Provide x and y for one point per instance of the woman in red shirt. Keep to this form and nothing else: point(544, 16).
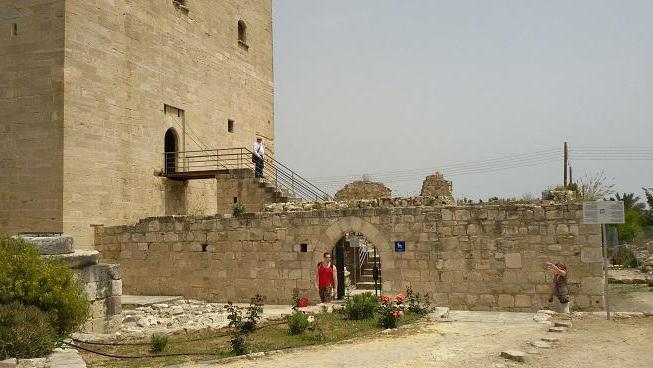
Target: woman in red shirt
point(326, 278)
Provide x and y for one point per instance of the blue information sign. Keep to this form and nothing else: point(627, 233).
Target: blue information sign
point(400, 246)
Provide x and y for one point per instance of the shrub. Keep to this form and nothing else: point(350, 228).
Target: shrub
point(390, 310)
point(253, 314)
point(418, 304)
point(238, 210)
point(48, 284)
point(238, 344)
point(25, 332)
point(361, 306)
point(245, 323)
point(297, 322)
point(159, 343)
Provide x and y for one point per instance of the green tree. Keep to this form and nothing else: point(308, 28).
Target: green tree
point(631, 201)
point(632, 229)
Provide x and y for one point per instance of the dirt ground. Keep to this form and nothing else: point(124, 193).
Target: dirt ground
point(475, 339)
point(630, 298)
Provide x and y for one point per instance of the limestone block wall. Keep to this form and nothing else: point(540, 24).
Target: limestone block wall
point(125, 60)
point(244, 188)
point(31, 115)
point(82, 126)
point(478, 257)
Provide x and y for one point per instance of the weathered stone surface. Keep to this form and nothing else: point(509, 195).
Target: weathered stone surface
point(79, 258)
point(516, 355)
point(513, 260)
point(540, 344)
point(48, 244)
point(33, 363)
point(108, 177)
point(437, 186)
point(557, 329)
point(8, 363)
point(550, 339)
point(362, 189)
point(458, 254)
point(565, 324)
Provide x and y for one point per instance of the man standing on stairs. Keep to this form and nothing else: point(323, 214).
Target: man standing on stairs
point(258, 151)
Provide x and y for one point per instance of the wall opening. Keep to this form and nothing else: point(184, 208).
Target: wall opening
point(358, 263)
point(14, 29)
point(230, 126)
point(303, 247)
point(171, 144)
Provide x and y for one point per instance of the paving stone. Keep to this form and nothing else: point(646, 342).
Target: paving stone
point(516, 355)
point(8, 363)
point(562, 324)
point(540, 344)
point(558, 329)
point(32, 363)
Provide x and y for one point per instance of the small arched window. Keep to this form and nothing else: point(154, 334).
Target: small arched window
point(242, 32)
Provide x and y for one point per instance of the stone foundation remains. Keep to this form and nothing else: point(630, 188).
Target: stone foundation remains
point(103, 283)
point(363, 189)
point(476, 257)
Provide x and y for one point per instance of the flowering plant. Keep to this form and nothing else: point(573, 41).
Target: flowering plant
point(390, 310)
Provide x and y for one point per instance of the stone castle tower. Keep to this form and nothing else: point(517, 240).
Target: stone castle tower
point(90, 89)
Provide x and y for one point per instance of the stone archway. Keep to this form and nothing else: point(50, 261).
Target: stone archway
point(338, 229)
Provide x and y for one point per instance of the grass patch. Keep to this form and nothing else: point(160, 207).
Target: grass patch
point(622, 289)
point(272, 336)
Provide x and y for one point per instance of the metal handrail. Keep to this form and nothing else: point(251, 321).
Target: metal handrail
point(274, 172)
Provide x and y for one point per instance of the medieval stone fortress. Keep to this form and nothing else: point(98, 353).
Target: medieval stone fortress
point(127, 125)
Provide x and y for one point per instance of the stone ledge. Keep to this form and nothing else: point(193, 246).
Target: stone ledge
point(78, 259)
point(49, 244)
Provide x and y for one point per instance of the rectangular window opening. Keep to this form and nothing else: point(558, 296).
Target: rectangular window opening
point(14, 29)
point(230, 126)
point(235, 199)
point(303, 247)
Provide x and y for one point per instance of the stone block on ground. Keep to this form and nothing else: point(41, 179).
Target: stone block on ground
point(8, 363)
point(565, 324)
point(540, 344)
point(48, 244)
point(516, 355)
point(32, 363)
point(558, 329)
point(550, 339)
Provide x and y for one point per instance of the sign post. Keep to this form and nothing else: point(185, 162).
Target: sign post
point(604, 212)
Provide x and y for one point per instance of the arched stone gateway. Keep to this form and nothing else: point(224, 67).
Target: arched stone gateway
point(337, 230)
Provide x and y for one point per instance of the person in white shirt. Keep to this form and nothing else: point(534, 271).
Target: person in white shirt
point(258, 154)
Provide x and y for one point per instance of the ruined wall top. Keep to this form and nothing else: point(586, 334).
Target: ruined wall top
point(363, 189)
point(437, 186)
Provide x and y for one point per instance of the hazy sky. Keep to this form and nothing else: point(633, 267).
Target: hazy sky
point(375, 87)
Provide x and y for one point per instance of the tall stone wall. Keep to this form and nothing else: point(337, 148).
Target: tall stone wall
point(31, 115)
point(479, 257)
point(82, 127)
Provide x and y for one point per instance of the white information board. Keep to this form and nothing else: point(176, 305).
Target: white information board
point(603, 212)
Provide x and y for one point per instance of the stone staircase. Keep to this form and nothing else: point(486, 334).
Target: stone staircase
point(367, 281)
point(279, 195)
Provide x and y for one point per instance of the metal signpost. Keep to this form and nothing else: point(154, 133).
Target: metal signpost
point(604, 212)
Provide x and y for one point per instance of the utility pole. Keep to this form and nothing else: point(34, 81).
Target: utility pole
point(571, 178)
point(565, 163)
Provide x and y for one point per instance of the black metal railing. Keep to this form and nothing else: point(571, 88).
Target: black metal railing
point(274, 172)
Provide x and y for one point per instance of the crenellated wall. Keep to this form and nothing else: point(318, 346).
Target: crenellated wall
point(477, 257)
